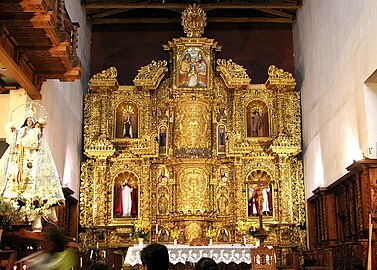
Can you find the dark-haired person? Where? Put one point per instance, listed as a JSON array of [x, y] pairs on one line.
[[206, 264], [155, 257]]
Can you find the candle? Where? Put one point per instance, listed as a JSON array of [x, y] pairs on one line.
[[244, 239], [156, 228], [104, 254], [24, 267], [91, 253], [15, 267], [97, 245], [80, 261]]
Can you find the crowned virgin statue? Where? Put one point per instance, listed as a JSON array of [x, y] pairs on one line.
[[27, 169]]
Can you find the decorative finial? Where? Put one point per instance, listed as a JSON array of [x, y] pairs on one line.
[[193, 21]]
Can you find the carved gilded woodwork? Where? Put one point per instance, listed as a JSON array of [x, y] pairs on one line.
[[199, 146]]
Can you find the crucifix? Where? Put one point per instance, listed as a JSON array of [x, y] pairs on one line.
[[258, 187]]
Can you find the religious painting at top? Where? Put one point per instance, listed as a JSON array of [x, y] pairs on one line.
[[126, 195], [126, 125], [193, 69]]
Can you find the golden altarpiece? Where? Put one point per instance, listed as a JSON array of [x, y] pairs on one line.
[[192, 144]]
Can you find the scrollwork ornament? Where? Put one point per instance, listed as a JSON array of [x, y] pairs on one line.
[[194, 21], [150, 76], [234, 75]]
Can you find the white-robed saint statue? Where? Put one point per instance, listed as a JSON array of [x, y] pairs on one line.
[[27, 168], [126, 205]]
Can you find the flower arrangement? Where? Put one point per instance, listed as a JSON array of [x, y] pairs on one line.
[[8, 213], [36, 206], [175, 233], [253, 230], [211, 232], [141, 229]]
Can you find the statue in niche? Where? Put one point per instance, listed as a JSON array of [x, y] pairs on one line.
[[257, 121], [223, 177], [126, 121], [163, 236], [127, 128], [220, 115], [162, 141], [126, 205], [256, 124], [163, 205], [222, 202], [260, 201], [163, 178], [221, 140], [223, 235]]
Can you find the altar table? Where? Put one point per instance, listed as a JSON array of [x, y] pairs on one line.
[[234, 253]]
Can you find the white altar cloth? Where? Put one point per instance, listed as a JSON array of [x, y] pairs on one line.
[[184, 253]]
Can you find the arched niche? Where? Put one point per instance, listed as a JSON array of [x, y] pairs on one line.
[[127, 121], [221, 138], [257, 123], [126, 202], [163, 140], [259, 191]]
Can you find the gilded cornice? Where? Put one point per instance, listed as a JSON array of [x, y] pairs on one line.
[[100, 148], [104, 80], [279, 79], [234, 75], [284, 146], [150, 76]]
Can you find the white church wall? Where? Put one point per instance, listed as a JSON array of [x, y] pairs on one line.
[[334, 55], [4, 109], [64, 104]]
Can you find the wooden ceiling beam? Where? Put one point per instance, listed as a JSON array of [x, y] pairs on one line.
[[108, 13], [23, 6], [184, 6], [18, 74], [177, 20], [276, 12]]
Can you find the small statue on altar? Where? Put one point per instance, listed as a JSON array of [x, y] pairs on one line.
[[223, 236], [27, 168], [163, 236]]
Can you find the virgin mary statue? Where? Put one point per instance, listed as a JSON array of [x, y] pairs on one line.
[[27, 169]]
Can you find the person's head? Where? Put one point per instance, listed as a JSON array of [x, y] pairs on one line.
[[206, 264], [54, 241], [155, 257]]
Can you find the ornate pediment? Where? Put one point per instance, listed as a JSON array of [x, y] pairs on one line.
[[278, 78], [106, 79], [234, 75], [151, 75], [100, 149]]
